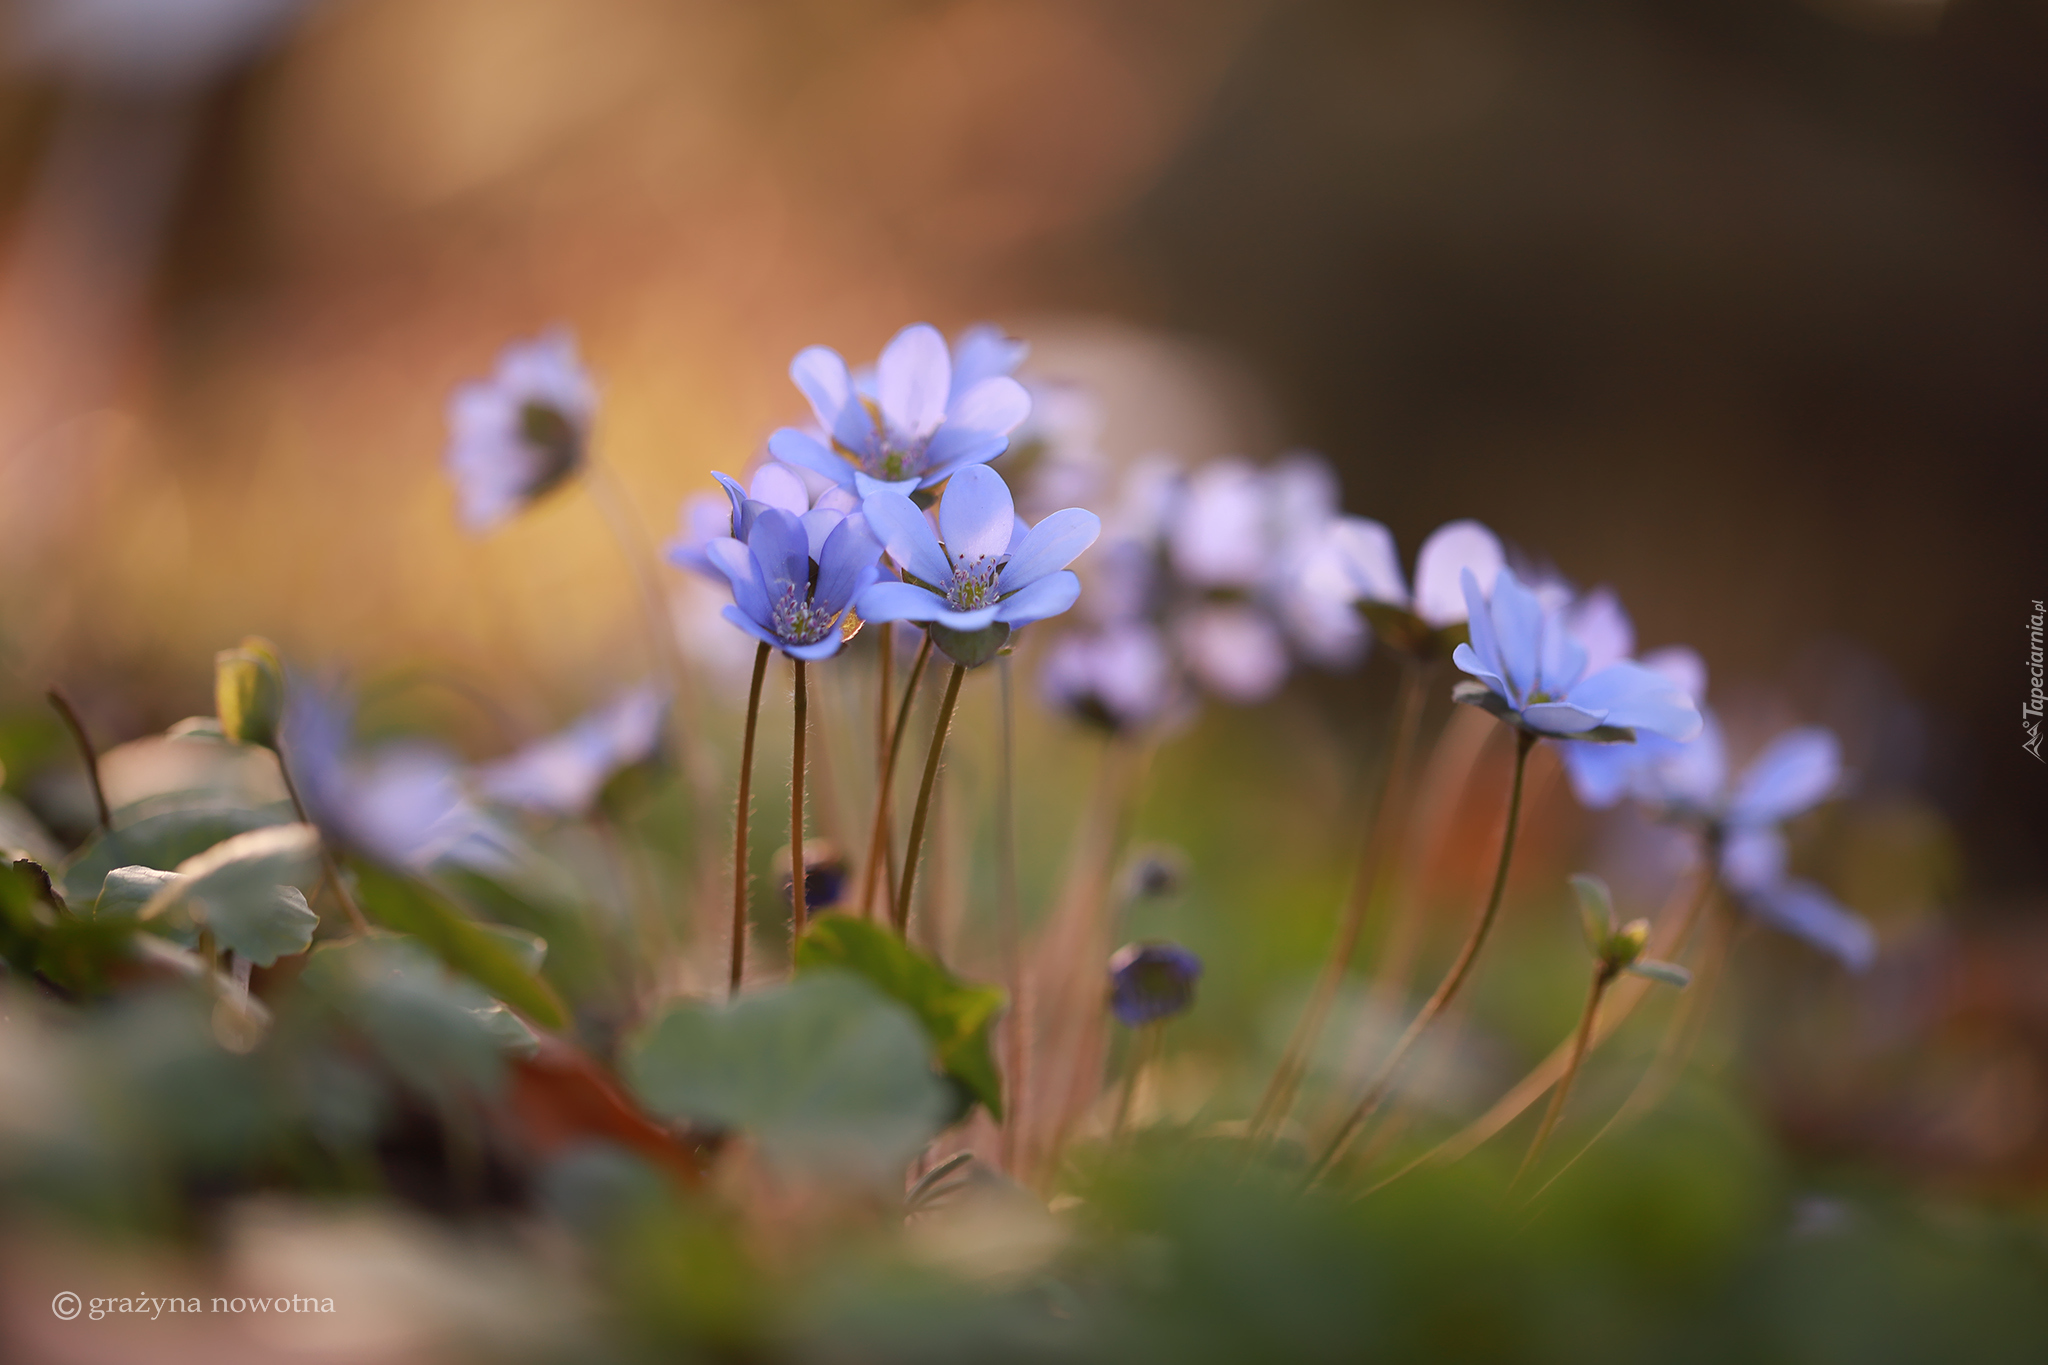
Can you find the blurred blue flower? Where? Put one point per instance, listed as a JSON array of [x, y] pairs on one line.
[[1356, 562], [984, 567], [711, 516], [1118, 676], [925, 418], [1151, 981], [403, 804], [777, 598], [563, 773], [1536, 673], [521, 433]]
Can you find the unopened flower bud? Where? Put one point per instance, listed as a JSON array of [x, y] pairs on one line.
[[1151, 981], [248, 692], [825, 876]]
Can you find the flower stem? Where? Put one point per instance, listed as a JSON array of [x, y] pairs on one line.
[[796, 812], [1382, 1082], [1008, 928], [1143, 1054], [1603, 974], [1382, 833], [878, 833], [739, 837], [330, 871], [924, 796], [86, 751]]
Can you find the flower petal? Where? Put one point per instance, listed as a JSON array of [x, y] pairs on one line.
[[1362, 551], [777, 485], [984, 351], [1601, 774], [1753, 859], [912, 380], [903, 531], [1517, 631], [1805, 911], [975, 515], [1795, 772], [783, 551], [1484, 652], [989, 411], [846, 565], [1451, 550], [738, 495], [1047, 596], [898, 602], [820, 649], [759, 632], [1639, 698], [820, 373], [1562, 718], [801, 448], [1467, 658], [984, 449], [737, 563], [864, 485], [1050, 546], [1599, 623]]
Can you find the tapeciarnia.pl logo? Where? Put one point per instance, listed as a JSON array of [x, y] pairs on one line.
[[2030, 712]]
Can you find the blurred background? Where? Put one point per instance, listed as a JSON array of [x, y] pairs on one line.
[[1739, 306]]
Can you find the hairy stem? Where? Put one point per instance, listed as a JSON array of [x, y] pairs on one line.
[[878, 833], [739, 836], [1382, 1081], [1380, 835], [924, 796], [330, 871], [85, 751], [801, 715], [1603, 975]]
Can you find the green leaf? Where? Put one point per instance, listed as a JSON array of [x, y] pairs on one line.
[[411, 907], [825, 1073], [433, 1029], [957, 1015], [242, 889], [127, 889], [161, 840], [21, 833], [1596, 911], [40, 937], [1670, 973]]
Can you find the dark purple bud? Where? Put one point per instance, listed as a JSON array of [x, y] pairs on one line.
[[1151, 981], [825, 875]]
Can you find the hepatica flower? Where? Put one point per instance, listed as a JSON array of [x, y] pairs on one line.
[[1149, 982], [713, 516], [1357, 562], [983, 570], [1119, 677], [562, 774], [924, 420], [521, 433], [1538, 675], [782, 595]]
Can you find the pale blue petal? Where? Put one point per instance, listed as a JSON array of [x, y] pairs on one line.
[[1805, 911], [864, 485], [975, 515], [1362, 552], [846, 565], [1484, 661], [777, 485], [903, 531], [1048, 596], [912, 380], [983, 352], [1467, 658], [738, 495], [821, 649], [801, 448], [991, 409], [820, 373], [1562, 718], [898, 602], [981, 451], [737, 563], [1639, 698], [978, 619], [783, 551], [819, 524], [1598, 622], [1050, 546], [1452, 550], [1753, 858], [1795, 772], [1689, 776], [1517, 631], [1601, 774], [1564, 657]]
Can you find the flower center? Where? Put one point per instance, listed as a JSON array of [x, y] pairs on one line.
[[974, 583], [797, 620]]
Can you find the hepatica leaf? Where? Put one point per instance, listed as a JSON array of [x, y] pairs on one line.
[[440, 1033], [127, 889], [162, 841], [485, 954], [242, 889], [956, 1014], [826, 1073]]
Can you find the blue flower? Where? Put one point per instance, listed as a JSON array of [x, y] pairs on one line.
[[1535, 673], [1356, 562], [709, 516], [777, 598], [562, 774], [989, 571], [925, 420], [1151, 981], [521, 433], [1120, 677]]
